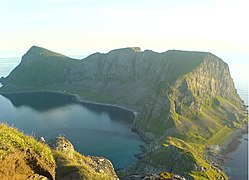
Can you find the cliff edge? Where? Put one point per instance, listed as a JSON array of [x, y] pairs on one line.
[[22, 157], [186, 100]]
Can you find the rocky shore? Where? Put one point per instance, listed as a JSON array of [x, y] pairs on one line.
[[184, 99], [217, 156], [232, 144]]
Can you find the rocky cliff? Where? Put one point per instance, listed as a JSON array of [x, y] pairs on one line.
[[73, 165], [185, 100]]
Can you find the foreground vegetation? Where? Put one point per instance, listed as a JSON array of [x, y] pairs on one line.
[[186, 101], [23, 157]]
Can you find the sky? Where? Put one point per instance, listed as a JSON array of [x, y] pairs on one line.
[[82, 27]]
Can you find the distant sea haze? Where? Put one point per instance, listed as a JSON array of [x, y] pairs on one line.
[[7, 65]]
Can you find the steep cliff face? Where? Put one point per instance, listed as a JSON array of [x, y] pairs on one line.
[[210, 79], [196, 108], [207, 85], [191, 93], [185, 101], [127, 77]]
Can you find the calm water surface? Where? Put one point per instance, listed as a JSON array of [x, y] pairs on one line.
[[93, 129], [97, 131]]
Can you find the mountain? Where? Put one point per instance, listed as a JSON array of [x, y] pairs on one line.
[[40, 67], [186, 101]]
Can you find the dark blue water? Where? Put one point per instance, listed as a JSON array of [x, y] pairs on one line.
[[93, 129], [97, 131]]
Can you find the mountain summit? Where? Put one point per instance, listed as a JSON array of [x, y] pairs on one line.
[[186, 101]]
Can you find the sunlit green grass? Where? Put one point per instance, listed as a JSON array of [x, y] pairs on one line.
[[11, 140]]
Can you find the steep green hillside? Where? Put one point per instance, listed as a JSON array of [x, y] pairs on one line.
[[40, 67], [22, 157], [186, 101]]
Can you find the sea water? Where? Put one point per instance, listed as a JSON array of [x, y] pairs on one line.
[[93, 129], [237, 165]]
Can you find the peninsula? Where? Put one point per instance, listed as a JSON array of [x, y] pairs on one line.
[[186, 103]]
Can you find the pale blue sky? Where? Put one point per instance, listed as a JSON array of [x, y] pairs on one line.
[[81, 27]]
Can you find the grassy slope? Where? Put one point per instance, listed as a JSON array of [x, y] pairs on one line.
[[194, 131], [79, 167], [40, 74], [210, 126], [38, 69], [24, 153], [190, 144], [22, 156]]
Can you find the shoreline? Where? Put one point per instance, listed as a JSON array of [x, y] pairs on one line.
[[233, 142], [219, 160], [233, 146], [78, 98], [219, 157]]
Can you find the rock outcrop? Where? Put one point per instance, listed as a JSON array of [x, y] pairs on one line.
[[185, 100], [22, 157], [72, 165]]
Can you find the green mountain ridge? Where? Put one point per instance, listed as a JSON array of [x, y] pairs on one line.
[[186, 101]]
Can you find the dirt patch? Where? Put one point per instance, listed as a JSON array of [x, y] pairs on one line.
[[21, 165]]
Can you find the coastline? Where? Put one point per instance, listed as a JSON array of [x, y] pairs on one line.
[[234, 162], [233, 142], [237, 161], [218, 156], [221, 157], [78, 99]]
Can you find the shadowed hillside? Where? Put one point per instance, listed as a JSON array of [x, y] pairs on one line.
[[186, 101]]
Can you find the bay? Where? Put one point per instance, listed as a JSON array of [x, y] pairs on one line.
[[93, 129], [236, 168]]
